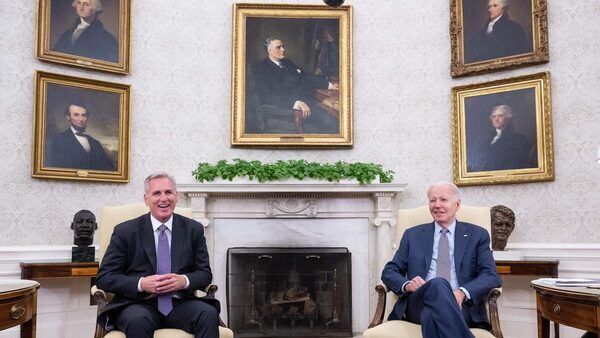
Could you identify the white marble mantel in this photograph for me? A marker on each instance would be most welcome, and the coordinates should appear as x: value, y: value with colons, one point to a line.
x: 317, y: 214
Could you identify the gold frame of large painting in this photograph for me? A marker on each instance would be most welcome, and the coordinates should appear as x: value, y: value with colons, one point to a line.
x: 486, y: 39
x: 104, y: 44
x: 301, y: 97
x: 80, y: 129
x: 502, y: 131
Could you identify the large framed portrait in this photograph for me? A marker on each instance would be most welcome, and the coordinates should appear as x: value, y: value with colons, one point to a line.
x: 490, y: 35
x: 292, y: 76
x: 80, y: 129
x: 93, y: 34
x: 502, y: 131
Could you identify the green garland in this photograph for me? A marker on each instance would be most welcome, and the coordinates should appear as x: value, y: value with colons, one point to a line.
x: 364, y: 173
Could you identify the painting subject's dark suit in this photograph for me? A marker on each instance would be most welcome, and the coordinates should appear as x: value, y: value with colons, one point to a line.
x: 283, y: 86
x: 131, y: 255
x: 510, y: 151
x: 475, y: 271
x: 506, y: 39
x: 64, y: 151
x: 94, y: 42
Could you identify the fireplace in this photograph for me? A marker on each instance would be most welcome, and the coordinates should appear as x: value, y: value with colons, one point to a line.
x: 289, y: 292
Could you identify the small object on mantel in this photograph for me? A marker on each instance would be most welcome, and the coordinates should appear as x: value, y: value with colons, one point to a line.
x: 333, y: 3
x: 84, y: 224
x: 503, y: 224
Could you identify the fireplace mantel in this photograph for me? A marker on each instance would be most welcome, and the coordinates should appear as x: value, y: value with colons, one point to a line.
x: 301, y: 214
x: 303, y: 195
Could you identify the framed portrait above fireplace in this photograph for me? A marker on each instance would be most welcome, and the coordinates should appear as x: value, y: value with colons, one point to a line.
x: 292, y: 76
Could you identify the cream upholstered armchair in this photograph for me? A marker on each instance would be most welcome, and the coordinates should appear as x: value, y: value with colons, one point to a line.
x: 111, y: 216
x: 404, y: 329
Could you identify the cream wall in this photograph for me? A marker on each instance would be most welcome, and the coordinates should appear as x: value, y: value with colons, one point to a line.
x: 181, y: 104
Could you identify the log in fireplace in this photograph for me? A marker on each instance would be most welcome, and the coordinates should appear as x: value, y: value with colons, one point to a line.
x: 289, y: 292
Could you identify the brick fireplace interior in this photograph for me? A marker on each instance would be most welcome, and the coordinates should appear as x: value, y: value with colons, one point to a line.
x: 289, y: 292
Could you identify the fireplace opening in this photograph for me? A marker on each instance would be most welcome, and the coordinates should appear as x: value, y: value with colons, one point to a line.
x: 289, y: 292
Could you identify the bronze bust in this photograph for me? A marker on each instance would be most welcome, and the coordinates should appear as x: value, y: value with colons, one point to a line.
x: 503, y: 224
x: 84, y: 224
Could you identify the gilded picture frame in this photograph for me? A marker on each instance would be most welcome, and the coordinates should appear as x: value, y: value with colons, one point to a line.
x: 92, y: 34
x: 312, y: 49
x: 502, y: 131
x: 80, y: 129
x: 488, y: 36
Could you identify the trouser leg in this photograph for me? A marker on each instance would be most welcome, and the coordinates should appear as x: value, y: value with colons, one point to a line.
x: 138, y: 320
x: 434, y: 307
x: 194, y: 316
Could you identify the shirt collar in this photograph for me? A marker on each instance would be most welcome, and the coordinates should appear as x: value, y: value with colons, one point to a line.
x: 82, y: 23
x: 496, y: 19
x: 451, y: 228
x: 156, y: 223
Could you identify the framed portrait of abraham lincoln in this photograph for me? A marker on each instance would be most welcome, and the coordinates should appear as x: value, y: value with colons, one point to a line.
x: 492, y: 35
x: 292, y: 76
x: 502, y: 131
x: 80, y: 129
x: 93, y: 34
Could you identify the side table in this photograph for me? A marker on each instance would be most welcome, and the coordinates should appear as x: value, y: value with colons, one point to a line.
x: 18, y: 305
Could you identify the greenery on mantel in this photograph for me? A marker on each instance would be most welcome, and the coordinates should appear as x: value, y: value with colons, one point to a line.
x: 364, y: 173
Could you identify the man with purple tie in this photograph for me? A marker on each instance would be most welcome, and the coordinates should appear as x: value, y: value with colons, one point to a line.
x: 443, y: 271
x: 153, y: 265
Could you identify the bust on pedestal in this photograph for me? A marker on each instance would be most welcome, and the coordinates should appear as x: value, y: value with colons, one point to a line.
x: 503, y: 224
x: 84, y: 224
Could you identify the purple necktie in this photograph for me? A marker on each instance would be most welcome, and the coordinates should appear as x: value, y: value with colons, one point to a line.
x: 443, y: 259
x: 163, y: 266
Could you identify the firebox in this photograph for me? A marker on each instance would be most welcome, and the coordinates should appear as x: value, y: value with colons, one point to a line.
x: 289, y: 292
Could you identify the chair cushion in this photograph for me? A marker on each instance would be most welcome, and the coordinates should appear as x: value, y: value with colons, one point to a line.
x: 173, y: 333
x: 404, y: 329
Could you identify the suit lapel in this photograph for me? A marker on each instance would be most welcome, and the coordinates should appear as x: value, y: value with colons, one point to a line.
x: 427, y: 242
x: 177, y: 237
x: 147, y: 235
x: 461, y: 239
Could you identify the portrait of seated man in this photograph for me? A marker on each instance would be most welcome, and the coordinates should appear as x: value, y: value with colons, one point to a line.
x: 504, y: 148
x: 498, y: 37
x: 281, y: 84
x: 443, y: 271
x: 87, y: 36
x: 74, y: 148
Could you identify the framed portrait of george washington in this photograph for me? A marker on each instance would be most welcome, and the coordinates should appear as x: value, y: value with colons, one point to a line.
x: 491, y: 35
x: 502, y: 131
x: 80, y: 129
x: 291, y: 76
x: 93, y: 34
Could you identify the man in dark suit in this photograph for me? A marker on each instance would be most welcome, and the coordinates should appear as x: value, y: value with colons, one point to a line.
x: 499, y: 37
x: 442, y: 271
x: 505, y: 148
x: 153, y: 265
x: 87, y: 37
x: 75, y: 149
x: 280, y: 83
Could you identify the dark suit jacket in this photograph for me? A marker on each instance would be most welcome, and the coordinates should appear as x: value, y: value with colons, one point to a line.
x: 507, y: 39
x: 282, y: 87
x: 64, y: 151
x: 475, y: 265
x: 510, y: 151
x: 94, y: 42
x: 131, y: 254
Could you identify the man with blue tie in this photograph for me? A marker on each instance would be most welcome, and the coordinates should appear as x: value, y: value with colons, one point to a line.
x: 443, y: 271
x: 153, y: 265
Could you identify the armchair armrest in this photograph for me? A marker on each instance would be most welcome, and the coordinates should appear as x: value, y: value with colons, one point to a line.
x: 380, y: 309
x: 492, y: 301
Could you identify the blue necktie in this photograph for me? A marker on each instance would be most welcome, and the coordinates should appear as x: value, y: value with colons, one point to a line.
x: 163, y: 266
x: 443, y: 259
